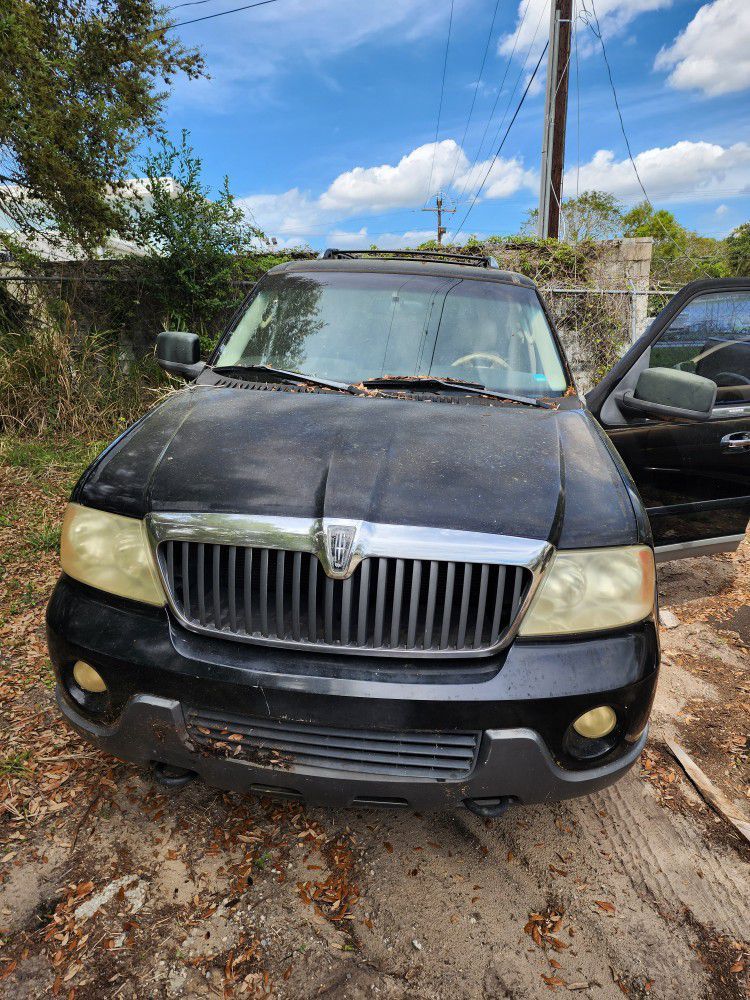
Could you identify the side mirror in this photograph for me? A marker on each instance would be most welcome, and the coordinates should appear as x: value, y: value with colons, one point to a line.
x: 666, y: 393
x: 178, y: 353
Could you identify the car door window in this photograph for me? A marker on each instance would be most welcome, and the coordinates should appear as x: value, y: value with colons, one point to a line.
x: 711, y: 337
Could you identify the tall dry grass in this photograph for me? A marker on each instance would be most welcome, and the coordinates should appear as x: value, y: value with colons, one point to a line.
x: 53, y: 381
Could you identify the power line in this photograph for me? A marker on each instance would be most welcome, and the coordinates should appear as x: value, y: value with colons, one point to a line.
x: 476, y: 91
x: 491, y: 115
x: 530, y: 49
x: 467, y: 182
x: 502, y: 143
x: 209, y: 17
x: 597, y: 31
x: 440, y: 105
x: 189, y: 3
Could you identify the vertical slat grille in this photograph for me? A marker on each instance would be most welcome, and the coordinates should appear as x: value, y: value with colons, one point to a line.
x: 312, y: 600
x: 416, y: 586
x: 263, y: 592
x: 248, y: 591
x: 364, y: 590
x: 185, y: 578
x: 385, y: 605
x: 296, y: 590
x: 346, y: 610
x: 201, y: 577
x: 232, y: 587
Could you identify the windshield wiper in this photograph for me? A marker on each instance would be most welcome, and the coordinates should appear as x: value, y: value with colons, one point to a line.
x: 430, y: 382
x: 282, y: 375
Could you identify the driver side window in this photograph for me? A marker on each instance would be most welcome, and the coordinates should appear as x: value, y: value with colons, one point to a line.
x: 711, y: 337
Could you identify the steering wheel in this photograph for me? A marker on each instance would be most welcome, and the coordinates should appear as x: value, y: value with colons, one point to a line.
x: 729, y: 379
x: 495, y: 360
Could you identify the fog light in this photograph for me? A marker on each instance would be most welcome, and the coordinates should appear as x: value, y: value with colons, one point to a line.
x: 597, y: 723
x: 87, y: 678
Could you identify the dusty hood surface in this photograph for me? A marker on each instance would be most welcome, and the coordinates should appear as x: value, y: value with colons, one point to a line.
x: 503, y: 469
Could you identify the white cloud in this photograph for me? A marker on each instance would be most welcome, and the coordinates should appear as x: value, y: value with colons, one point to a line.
x: 384, y: 188
x: 722, y: 210
x: 482, y: 87
x: 506, y: 178
x: 684, y: 172
x: 291, y: 213
x: 532, y: 23
x: 712, y: 53
x: 536, y: 84
x: 378, y: 189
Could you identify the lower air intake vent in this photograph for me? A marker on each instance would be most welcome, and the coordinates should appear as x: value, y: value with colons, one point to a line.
x: 291, y: 746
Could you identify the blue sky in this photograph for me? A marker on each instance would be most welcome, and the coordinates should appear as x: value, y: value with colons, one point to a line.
x: 323, y: 112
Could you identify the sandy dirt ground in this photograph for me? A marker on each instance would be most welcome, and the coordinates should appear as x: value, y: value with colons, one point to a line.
x: 111, y: 887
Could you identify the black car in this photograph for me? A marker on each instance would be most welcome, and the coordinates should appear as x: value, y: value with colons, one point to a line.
x: 378, y: 551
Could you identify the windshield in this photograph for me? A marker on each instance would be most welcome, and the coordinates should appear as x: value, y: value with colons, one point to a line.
x: 353, y: 326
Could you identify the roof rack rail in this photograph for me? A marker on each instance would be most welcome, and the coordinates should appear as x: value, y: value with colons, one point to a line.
x: 432, y: 256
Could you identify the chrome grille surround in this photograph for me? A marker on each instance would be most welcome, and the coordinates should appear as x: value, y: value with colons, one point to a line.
x: 419, y: 576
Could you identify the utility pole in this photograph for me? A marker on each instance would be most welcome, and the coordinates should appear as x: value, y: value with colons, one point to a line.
x: 441, y: 230
x: 555, y: 118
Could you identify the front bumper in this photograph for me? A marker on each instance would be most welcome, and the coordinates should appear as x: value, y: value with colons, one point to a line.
x: 512, y: 762
x: 521, y: 702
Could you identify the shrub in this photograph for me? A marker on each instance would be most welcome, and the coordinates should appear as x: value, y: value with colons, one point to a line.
x: 196, y: 248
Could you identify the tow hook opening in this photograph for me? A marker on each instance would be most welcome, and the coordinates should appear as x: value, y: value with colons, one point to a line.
x: 491, y: 808
x: 170, y: 776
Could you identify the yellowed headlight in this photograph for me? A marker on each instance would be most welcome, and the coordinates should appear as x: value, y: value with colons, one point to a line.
x: 111, y: 553
x: 590, y: 590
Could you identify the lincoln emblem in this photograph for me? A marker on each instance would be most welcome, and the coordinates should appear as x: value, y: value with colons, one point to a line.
x: 339, y: 540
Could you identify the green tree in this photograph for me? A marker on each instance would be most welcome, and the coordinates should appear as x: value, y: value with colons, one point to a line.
x: 196, y: 247
x: 738, y: 251
x: 661, y: 225
x: 593, y: 215
x: 679, y: 254
x: 82, y: 82
x: 670, y: 241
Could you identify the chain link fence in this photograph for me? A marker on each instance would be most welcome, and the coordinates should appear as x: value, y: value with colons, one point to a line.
x: 596, y: 325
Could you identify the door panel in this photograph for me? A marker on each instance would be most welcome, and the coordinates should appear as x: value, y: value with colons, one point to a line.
x: 693, y: 477
x: 691, y: 489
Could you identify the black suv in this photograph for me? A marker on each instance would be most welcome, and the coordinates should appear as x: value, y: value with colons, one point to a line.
x: 378, y: 551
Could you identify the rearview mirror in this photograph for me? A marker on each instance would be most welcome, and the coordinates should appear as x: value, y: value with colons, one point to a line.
x: 178, y: 352
x: 666, y: 393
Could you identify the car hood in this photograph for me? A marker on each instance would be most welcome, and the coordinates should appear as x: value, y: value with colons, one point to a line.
x: 500, y: 468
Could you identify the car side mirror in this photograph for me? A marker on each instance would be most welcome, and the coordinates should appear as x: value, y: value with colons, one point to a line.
x: 666, y: 393
x: 178, y: 352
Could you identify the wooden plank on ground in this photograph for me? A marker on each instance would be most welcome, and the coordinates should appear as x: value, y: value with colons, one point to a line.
x: 713, y: 795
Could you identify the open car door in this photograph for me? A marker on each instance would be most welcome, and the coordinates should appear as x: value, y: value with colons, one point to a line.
x: 677, y: 408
